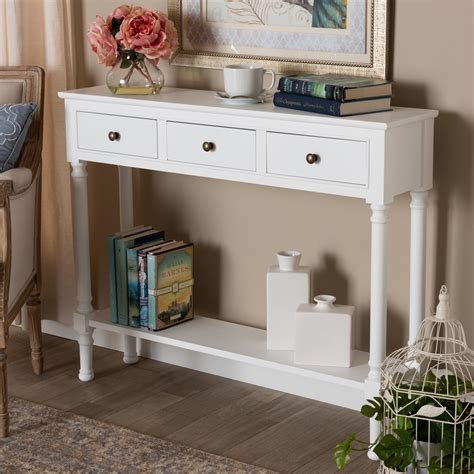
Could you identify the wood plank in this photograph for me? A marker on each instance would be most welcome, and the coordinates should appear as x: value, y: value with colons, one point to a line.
x: 207, y: 401
x: 196, y: 433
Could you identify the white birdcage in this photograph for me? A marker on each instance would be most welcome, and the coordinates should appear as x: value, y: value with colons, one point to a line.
x: 428, y: 396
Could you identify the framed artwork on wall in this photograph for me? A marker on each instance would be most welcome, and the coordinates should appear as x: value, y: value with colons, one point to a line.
x: 288, y: 36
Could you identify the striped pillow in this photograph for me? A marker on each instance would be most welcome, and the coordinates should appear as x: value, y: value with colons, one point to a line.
x: 15, y: 119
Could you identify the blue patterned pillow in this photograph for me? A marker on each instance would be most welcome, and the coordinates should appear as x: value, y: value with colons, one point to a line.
x: 15, y: 119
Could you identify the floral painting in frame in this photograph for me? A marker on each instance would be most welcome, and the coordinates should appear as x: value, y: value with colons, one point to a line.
x: 338, y: 36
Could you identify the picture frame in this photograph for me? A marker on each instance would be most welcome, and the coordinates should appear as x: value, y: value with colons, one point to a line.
x: 287, y: 36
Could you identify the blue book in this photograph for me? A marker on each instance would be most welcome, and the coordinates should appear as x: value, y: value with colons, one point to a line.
x: 112, y: 272
x: 121, y: 246
x: 331, y: 107
x: 143, y: 280
x: 134, y: 273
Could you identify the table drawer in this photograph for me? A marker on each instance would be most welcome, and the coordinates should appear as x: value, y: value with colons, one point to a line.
x: 226, y: 147
x: 343, y: 161
x: 133, y: 136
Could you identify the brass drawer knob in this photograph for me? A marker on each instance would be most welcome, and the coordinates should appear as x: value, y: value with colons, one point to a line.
x: 114, y: 136
x: 312, y: 158
x: 208, y: 146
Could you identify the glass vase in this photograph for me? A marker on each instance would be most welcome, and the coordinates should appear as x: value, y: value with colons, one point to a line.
x: 134, y: 74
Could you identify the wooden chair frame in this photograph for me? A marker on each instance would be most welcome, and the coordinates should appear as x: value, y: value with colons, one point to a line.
x: 32, y: 78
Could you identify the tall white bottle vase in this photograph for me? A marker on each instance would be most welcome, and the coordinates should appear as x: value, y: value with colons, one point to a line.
x: 288, y: 285
x: 323, y: 333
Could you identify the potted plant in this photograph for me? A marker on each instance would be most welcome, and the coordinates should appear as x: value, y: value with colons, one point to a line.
x: 417, y: 430
x: 426, y: 403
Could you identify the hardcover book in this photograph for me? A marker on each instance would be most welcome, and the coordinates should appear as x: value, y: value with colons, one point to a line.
x: 133, y: 285
x: 121, y: 246
x: 112, y: 270
x: 143, y: 280
x: 335, y: 86
x: 170, y: 286
x: 331, y: 107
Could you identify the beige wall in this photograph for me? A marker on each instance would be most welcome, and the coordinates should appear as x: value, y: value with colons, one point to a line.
x: 237, y: 228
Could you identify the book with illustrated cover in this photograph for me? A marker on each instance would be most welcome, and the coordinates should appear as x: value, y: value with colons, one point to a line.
x: 121, y: 246
x: 331, y: 107
x: 336, y: 87
x: 170, y: 286
x: 111, y: 239
x: 133, y: 286
x: 143, y: 280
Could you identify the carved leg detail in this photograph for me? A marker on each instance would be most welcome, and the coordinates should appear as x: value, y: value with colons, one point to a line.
x: 33, y: 306
x: 378, y: 305
x: 418, y: 207
x: 4, y: 421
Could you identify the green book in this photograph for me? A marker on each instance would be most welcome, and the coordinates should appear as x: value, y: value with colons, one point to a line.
x: 121, y: 246
x: 112, y: 272
x: 337, y: 87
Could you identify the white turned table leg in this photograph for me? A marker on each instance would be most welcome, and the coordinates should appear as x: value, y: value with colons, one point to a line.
x: 418, y: 207
x: 378, y: 305
x: 82, y: 265
x: 130, y: 355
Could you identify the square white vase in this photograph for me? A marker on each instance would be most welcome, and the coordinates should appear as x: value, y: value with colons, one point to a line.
x: 287, y: 287
x: 323, y: 333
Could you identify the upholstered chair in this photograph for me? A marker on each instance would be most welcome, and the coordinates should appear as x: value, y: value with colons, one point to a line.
x: 20, y: 191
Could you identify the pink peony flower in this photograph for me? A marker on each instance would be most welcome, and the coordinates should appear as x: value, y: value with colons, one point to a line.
x: 149, y: 32
x: 102, y: 42
x: 119, y: 14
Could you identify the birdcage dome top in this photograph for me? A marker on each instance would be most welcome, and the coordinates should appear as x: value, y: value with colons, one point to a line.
x: 439, y: 361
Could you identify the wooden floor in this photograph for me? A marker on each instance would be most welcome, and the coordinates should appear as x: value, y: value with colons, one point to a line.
x: 259, y: 426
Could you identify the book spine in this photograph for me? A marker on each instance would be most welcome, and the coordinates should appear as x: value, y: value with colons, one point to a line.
x: 133, y: 288
x: 308, y: 104
x: 312, y: 89
x: 112, y: 282
x: 152, y: 285
x: 143, y: 289
x: 121, y: 279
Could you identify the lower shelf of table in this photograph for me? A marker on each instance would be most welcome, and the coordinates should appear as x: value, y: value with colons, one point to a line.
x: 239, y: 352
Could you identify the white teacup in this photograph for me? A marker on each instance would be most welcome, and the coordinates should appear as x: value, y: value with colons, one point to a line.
x: 245, y: 80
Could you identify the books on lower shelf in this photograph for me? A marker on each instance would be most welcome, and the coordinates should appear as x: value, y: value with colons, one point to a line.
x: 334, y: 94
x: 151, y: 279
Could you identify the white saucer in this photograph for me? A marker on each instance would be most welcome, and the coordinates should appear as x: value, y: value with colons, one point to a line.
x: 240, y: 100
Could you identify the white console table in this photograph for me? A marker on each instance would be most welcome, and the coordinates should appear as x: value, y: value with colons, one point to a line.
x: 373, y: 157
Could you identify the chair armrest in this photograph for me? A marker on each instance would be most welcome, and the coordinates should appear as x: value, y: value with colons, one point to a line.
x: 19, y: 177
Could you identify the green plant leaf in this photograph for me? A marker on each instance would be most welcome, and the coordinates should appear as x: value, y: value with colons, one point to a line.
x: 374, y: 408
x: 396, y: 450
x: 342, y: 452
x: 125, y: 64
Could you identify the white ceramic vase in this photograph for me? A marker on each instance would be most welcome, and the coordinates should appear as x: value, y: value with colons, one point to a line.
x: 323, y: 333
x: 288, y: 285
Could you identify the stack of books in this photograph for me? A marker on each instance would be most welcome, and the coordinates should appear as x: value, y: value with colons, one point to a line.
x: 333, y: 94
x: 150, y: 279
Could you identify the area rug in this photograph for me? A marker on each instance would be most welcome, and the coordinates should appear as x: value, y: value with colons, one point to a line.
x: 47, y: 440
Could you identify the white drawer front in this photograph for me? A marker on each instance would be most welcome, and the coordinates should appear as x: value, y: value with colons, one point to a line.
x: 227, y: 147
x: 343, y: 161
x: 135, y: 136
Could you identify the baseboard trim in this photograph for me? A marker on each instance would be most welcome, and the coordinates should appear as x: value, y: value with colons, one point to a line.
x: 333, y: 393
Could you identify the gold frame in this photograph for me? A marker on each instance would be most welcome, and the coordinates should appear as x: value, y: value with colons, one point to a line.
x: 377, y: 66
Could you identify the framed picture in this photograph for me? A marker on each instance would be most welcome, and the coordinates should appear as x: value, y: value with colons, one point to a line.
x: 288, y: 36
